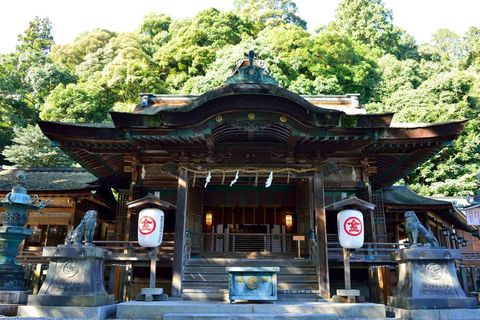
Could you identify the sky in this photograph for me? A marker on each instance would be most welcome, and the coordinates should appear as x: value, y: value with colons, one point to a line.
x: 420, y: 18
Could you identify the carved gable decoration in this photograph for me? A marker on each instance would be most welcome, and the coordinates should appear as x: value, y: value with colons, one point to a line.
x: 251, y: 71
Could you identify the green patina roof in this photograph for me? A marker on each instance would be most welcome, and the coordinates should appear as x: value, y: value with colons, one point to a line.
x: 49, y: 179
x: 402, y: 195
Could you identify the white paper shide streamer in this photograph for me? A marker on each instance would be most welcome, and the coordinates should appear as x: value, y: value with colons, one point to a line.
x: 235, y: 179
x: 208, y: 178
x: 268, y: 183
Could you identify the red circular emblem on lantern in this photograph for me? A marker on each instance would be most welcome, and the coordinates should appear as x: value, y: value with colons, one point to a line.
x: 353, y: 226
x: 147, y: 225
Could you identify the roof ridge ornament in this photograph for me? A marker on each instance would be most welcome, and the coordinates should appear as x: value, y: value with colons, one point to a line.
x: 251, y: 70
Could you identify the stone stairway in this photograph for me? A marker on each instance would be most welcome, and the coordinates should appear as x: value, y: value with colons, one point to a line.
x: 207, y: 279
x: 282, y: 310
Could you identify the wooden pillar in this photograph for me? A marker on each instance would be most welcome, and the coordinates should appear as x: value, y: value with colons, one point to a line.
x: 437, y: 231
x: 131, y: 197
x: 321, y: 233
x: 180, y: 225
x: 372, y: 215
x: 474, y: 278
x: 37, y: 275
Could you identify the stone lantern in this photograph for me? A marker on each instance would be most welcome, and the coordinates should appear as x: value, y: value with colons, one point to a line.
x: 16, y: 205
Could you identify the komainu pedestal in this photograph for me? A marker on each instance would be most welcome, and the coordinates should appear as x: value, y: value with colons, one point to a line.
x: 74, y: 278
x: 428, y: 280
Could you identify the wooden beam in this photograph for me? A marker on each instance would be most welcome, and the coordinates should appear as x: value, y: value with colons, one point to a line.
x: 180, y: 224
x: 321, y: 232
x: 131, y: 197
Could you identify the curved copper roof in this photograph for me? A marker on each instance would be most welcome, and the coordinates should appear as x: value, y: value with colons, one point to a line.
x: 250, y: 124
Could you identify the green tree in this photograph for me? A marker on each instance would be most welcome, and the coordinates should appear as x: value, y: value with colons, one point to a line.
x: 31, y: 148
x: 93, y: 63
x: 446, y: 47
x: 18, y: 104
x: 154, y: 23
x: 370, y: 22
x: 193, y: 43
x: 73, y: 54
x: 218, y: 70
x: 130, y: 73
x: 44, y: 78
x: 81, y: 102
x: 341, y: 65
x: 37, y: 37
x: 285, y: 51
x: 269, y: 12
x: 472, y: 43
x: 154, y: 32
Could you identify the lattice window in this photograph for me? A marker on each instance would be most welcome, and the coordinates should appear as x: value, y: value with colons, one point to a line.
x: 121, y: 214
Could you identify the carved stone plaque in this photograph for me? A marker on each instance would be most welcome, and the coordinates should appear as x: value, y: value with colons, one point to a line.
x: 434, y: 271
x: 70, y: 269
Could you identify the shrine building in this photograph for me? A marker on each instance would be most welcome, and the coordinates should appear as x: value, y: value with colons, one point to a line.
x: 249, y: 166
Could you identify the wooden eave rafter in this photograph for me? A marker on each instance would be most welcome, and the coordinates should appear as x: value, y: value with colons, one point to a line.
x: 72, y: 131
x: 402, y: 207
x: 395, y: 151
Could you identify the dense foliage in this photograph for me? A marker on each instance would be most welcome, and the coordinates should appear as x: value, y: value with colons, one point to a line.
x: 360, y: 51
x: 31, y: 148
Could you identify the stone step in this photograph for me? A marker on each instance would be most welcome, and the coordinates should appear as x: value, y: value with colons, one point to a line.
x: 248, y: 254
x: 222, y: 295
x: 207, y: 278
x: 291, y: 297
x: 205, y: 296
x: 224, y: 285
x: 216, y: 290
x: 249, y: 262
x: 247, y: 316
x: 305, y: 270
x: 295, y: 278
x: 157, y: 310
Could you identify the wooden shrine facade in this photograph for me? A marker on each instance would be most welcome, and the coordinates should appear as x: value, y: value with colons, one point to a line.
x: 249, y: 158
x: 70, y: 193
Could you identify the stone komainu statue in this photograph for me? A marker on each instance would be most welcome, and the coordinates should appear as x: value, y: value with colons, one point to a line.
x: 86, y: 229
x: 414, y: 228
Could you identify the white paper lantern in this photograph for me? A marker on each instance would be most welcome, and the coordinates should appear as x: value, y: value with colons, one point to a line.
x: 150, y: 227
x: 350, y: 229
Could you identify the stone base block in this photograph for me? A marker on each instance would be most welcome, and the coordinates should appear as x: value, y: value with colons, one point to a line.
x: 13, y: 296
x: 439, y: 314
x: 12, y: 279
x: 151, y: 294
x: 157, y: 310
x: 248, y: 316
x: 93, y: 313
x: 9, y: 310
x: 81, y: 301
x: 10, y: 300
x: 432, y: 303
